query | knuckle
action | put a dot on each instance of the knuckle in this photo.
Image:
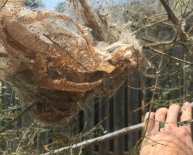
(169, 127)
(184, 131)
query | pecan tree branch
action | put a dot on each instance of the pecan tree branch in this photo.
(172, 17)
(91, 21)
(99, 139)
(167, 55)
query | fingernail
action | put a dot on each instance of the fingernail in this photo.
(173, 104)
(187, 104)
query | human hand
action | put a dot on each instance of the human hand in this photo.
(171, 139)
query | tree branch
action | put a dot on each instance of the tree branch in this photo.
(170, 56)
(3, 4)
(99, 139)
(172, 17)
(159, 44)
(91, 21)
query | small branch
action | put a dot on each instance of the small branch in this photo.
(102, 17)
(99, 139)
(190, 30)
(175, 58)
(159, 44)
(148, 26)
(186, 8)
(3, 55)
(188, 13)
(3, 4)
(172, 17)
(91, 21)
(16, 118)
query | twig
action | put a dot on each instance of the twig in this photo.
(91, 21)
(172, 17)
(186, 8)
(159, 44)
(188, 13)
(175, 58)
(3, 4)
(148, 26)
(99, 139)
(16, 118)
(3, 55)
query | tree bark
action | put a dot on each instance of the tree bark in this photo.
(91, 21)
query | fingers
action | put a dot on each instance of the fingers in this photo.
(160, 116)
(173, 112)
(186, 113)
(170, 116)
(150, 121)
